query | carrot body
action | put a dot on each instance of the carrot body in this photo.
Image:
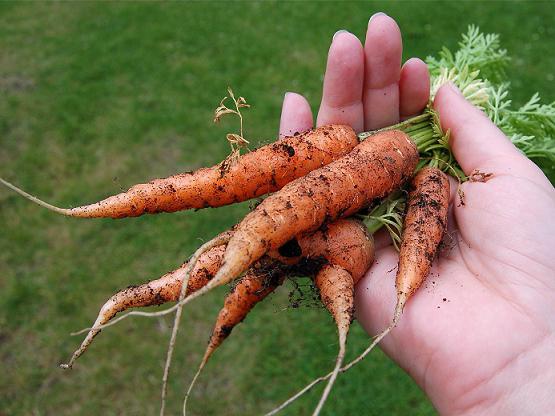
(423, 228)
(345, 243)
(336, 286)
(372, 170)
(257, 284)
(259, 172)
(162, 290)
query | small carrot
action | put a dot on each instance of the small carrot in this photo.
(423, 228)
(349, 248)
(258, 282)
(156, 292)
(256, 285)
(337, 291)
(259, 172)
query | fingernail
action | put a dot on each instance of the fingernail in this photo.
(375, 15)
(338, 32)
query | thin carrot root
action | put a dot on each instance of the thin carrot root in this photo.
(318, 380)
(219, 240)
(256, 285)
(337, 292)
(193, 382)
(288, 158)
(32, 198)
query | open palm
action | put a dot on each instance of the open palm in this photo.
(479, 337)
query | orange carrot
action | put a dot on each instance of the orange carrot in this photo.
(256, 285)
(258, 282)
(156, 292)
(344, 242)
(349, 248)
(337, 291)
(423, 228)
(259, 172)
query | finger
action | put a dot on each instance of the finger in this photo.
(414, 88)
(382, 50)
(375, 294)
(342, 94)
(296, 115)
(475, 140)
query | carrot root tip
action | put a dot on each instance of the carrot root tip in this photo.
(40, 202)
(190, 389)
(335, 372)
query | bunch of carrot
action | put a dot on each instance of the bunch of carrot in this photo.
(319, 178)
(318, 181)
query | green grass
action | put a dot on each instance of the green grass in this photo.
(96, 97)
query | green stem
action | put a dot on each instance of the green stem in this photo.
(419, 129)
(372, 221)
(372, 224)
(399, 126)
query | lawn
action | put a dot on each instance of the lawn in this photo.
(96, 97)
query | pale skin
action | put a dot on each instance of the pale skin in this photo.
(479, 336)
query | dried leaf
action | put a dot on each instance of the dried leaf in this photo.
(241, 102)
(222, 110)
(230, 92)
(236, 139)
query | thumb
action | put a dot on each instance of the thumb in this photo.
(475, 140)
(296, 115)
(477, 143)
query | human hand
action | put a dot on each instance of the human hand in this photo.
(479, 337)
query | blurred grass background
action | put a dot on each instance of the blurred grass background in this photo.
(96, 97)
